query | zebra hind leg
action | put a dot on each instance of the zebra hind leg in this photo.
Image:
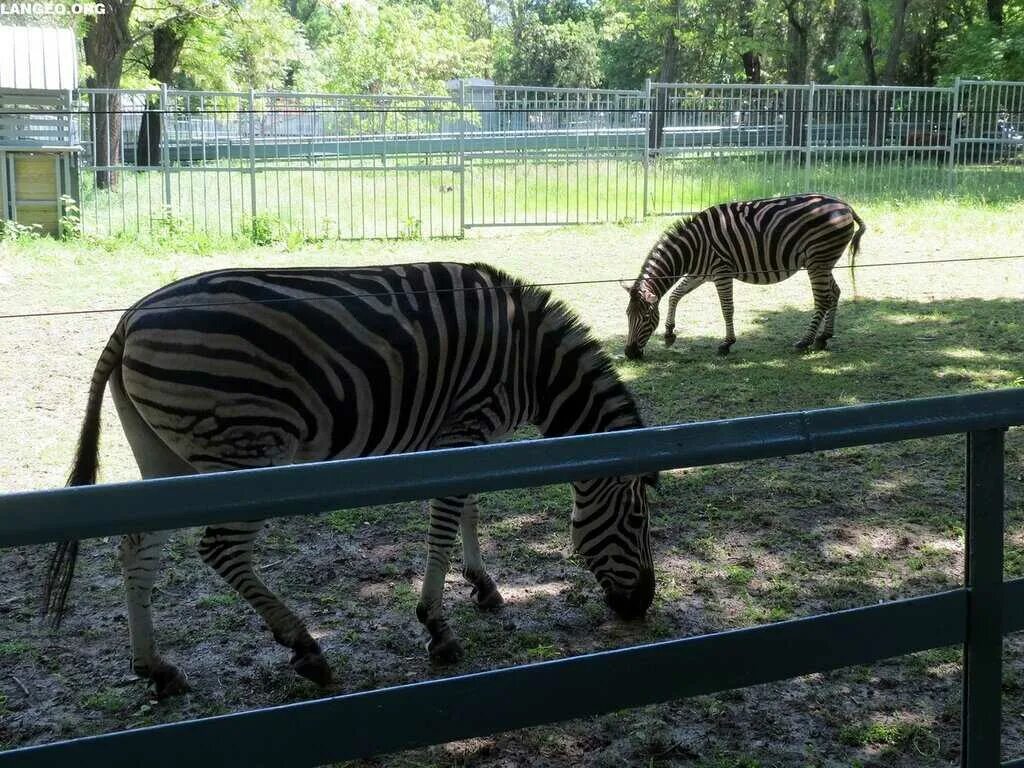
(445, 514)
(228, 550)
(828, 323)
(485, 592)
(140, 561)
(724, 287)
(821, 288)
(140, 553)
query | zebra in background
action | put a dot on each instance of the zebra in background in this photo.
(256, 368)
(758, 241)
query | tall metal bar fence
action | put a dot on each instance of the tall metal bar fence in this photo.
(385, 720)
(269, 165)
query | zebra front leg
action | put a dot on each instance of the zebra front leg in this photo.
(686, 285)
(822, 291)
(485, 593)
(443, 646)
(828, 324)
(724, 287)
(140, 561)
(228, 550)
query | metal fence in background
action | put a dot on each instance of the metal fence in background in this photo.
(270, 164)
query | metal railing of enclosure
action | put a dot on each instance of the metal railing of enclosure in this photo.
(390, 719)
(270, 164)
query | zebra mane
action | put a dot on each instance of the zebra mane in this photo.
(679, 225)
(575, 334)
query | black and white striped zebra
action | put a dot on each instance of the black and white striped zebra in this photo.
(757, 241)
(255, 368)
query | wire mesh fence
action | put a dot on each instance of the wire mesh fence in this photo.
(268, 165)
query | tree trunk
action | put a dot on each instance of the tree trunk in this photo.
(106, 42)
(867, 45)
(892, 59)
(168, 41)
(797, 45)
(751, 58)
(752, 66)
(668, 74)
(828, 50)
(796, 72)
(994, 10)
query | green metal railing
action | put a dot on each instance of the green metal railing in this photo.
(390, 719)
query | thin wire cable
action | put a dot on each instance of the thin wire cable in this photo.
(384, 107)
(518, 286)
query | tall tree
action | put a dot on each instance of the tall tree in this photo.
(169, 38)
(106, 43)
(750, 57)
(899, 28)
(668, 73)
(867, 44)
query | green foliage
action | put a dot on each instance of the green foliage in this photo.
(983, 51)
(70, 225)
(563, 54)
(260, 229)
(403, 48)
(414, 46)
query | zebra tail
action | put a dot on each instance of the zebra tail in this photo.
(855, 242)
(62, 563)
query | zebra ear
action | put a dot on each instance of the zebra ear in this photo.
(627, 287)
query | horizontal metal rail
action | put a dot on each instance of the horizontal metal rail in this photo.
(104, 510)
(437, 711)
(404, 717)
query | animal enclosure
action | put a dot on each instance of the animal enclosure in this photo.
(735, 545)
(265, 165)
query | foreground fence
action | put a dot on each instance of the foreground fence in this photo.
(385, 720)
(271, 164)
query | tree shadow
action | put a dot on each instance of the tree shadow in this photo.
(884, 350)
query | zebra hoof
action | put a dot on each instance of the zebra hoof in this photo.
(168, 681)
(802, 345)
(724, 347)
(312, 666)
(446, 650)
(488, 600)
(820, 344)
(670, 339)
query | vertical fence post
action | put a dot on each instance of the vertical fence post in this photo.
(983, 565)
(809, 137)
(462, 157)
(252, 153)
(953, 133)
(165, 160)
(646, 111)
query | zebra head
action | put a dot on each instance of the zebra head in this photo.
(610, 531)
(642, 317)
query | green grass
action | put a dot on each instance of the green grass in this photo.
(898, 735)
(108, 700)
(218, 601)
(313, 203)
(734, 545)
(15, 648)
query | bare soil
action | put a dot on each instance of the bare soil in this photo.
(736, 545)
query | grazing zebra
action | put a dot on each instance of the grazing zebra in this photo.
(256, 368)
(758, 241)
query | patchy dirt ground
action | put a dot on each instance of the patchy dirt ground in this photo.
(735, 545)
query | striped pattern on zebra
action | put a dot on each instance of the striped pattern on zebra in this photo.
(257, 368)
(757, 241)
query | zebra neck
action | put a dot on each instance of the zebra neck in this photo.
(575, 389)
(670, 259)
